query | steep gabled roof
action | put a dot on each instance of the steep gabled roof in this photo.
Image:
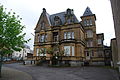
(51, 18)
(87, 12)
(48, 18)
(61, 15)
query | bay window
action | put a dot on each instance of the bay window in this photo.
(69, 50)
(68, 35)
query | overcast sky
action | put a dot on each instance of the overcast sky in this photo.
(30, 10)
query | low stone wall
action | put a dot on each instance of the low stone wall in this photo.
(97, 63)
(76, 63)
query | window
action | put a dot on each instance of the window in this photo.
(87, 53)
(68, 35)
(90, 21)
(41, 51)
(42, 26)
(68, 21)
(99, 41)
(90, 43)
(55, 36)
(65, 35)
(72, 35)
(67, 50)
(43, 38)
(85, 22)
(91, 53)
(37, 51)
(73, 52)
(57, 21)
(46, 38)
(16, 53)
(89, 33)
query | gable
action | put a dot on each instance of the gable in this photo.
(44, 18)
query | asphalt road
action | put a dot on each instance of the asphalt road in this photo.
(67, 73)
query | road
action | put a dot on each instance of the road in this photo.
(66, 73)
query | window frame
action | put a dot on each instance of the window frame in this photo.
(69, 35)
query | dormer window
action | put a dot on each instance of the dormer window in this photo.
(69, 16)
(42, 26)
(57, 21)
(68, 21)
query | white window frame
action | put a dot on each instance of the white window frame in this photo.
(72, 35)
(68, 35)
(67, 50)
(65, 35)
(73, 51)
(37, 51)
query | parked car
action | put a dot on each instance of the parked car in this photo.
(6, 59)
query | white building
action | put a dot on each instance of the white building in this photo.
(22, 53)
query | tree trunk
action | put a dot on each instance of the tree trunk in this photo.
(1, 65)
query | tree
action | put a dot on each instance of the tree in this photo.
(11, 36)
(56, 54)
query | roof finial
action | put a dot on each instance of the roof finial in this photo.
(87, 12)
(44, 10)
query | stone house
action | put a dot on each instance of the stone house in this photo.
(76, 38)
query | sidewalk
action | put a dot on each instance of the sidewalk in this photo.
(12, 74)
